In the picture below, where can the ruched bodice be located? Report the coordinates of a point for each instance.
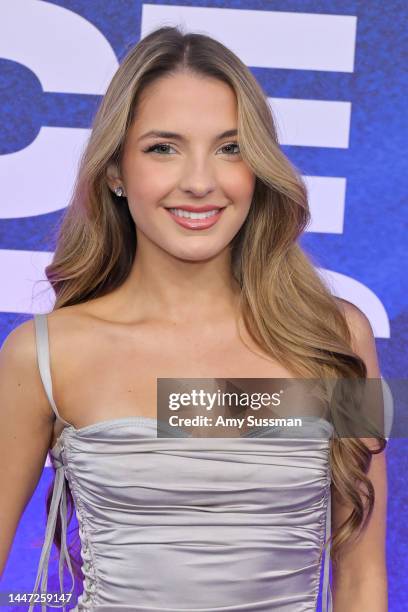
(197, 524)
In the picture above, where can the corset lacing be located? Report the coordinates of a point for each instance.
(89, 582)
(327, 601)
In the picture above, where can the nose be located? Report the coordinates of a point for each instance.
(198, 177)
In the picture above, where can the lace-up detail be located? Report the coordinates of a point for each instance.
(86, 599)
(327, 601)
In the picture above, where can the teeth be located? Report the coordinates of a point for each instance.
(193, 215)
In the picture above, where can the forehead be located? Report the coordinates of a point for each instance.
(185, 102)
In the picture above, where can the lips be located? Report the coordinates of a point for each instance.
(197, 224)
(205, 208)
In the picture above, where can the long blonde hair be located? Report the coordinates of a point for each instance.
(96, 242)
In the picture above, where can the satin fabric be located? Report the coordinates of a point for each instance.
(197, 524)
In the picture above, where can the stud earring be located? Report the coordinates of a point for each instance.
(118, 191)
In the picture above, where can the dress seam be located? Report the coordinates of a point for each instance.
(92, 596)
(322, 522)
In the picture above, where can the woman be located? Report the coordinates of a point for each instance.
(147, 290)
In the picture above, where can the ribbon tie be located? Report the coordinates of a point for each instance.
(59, 500)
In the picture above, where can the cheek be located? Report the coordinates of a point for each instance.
(241, 187)
(146, 183)
(141, 189)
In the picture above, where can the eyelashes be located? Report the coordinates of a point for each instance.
(153, 148)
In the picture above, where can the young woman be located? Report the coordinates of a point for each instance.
(146, 290)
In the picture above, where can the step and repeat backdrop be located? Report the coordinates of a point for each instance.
(334, 75)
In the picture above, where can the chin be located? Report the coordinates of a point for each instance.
(195, 254)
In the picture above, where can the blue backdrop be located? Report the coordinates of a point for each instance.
(334, 75)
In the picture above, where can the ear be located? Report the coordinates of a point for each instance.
(113, 177)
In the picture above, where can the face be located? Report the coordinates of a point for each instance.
(198, 166)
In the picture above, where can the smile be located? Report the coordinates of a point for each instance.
(195, 220)
(180, 212)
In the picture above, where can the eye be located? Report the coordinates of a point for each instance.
(153, 148)
(232, 144)
(160, 148)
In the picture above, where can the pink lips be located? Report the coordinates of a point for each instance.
(196, 223)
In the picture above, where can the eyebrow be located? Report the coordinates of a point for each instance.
(175, 136)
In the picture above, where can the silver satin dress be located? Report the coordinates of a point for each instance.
(193, 524)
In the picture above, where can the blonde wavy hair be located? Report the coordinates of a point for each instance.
(287, 308)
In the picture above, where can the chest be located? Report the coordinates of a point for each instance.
(110, 377)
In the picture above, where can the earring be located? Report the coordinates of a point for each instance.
(118, 191)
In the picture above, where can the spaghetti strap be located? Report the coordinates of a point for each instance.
(59, 500)
(43, 358)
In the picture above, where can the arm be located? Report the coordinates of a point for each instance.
(360, 577)
(26, 424)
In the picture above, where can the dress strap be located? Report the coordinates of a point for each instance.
(43, 358)
(327, 604)
(59, 498)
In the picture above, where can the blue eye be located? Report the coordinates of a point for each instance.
(155, 148)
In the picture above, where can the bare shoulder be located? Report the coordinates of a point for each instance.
(362, 335)
(74, 322)
(358, 322)
(346, 306)
(19, 345)
(19, 371)
(69, 314)
(75, 314)
(18, 349)
(19, 375)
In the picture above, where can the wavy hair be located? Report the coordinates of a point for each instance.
(287, 309)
